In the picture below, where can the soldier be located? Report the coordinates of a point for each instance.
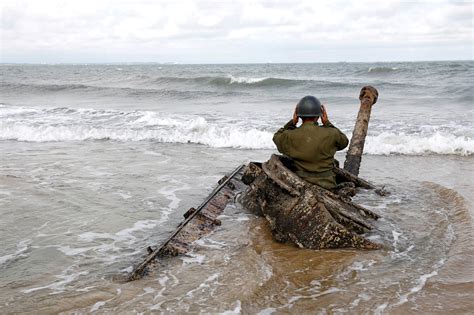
(312, 147)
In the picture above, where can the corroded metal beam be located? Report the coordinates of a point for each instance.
(197, 223)
(368, 97)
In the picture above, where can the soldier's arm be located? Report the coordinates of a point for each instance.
(341, 139)
(327, 123)
(281, 137)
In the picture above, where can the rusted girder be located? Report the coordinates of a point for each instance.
(197, 222)
(368, 97)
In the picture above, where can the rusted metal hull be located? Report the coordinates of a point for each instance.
(302, 213)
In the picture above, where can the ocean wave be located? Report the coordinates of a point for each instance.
(123, 91)
(388, 143)
(214, 80)
(263, 82)
(249, 82)
(376, 70)
(65, 124)
(238, 81)
(197, 131)
(143, 85)
(49, 87)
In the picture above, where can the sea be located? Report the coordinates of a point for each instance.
(100, 161)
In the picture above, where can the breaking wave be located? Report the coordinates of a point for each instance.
(66, 124)
(145, 85)
(249, 81)
(219, 80)
(382, 69)
(388, 143)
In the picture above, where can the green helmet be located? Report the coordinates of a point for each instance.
(308, 106)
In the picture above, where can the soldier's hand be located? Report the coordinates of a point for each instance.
(295, 116)
(324, 116)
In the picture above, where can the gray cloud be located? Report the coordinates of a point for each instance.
(235, 31)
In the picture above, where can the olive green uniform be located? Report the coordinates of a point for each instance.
(312, 147)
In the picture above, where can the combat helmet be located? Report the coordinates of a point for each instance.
(308, 106)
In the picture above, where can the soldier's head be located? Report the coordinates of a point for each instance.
(309, 108)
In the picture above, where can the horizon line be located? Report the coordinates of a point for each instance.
(221, 63)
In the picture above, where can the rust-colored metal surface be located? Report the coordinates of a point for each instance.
(368, 97)
(302, 213)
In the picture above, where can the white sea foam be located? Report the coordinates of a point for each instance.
(361, 266)
(108, 243)
(267, 311)
(86, 289)
(129, 269)
(293, 299)
(22, 247)
(204, 285)
(193, 259)
(11, 111)
(5, 193)
(209, 243)
(420, 283)
(97, 305)
(163, 280)
(91, 236)
(68, 251)
(382, 69)
(169, 192)
(147, 290)
(356, 266)
(127, 234)
(417, 144)
(59, 286)
(246, 80)
(122, 195)
(197, 131)
(380, 309)
(63, 124)
(396, 235)
(236, 310)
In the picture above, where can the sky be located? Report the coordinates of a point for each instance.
(238, 31)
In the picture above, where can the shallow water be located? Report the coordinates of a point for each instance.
(68, 243)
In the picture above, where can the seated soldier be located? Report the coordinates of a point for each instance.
(311, 146)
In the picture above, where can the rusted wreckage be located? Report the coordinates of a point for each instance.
(297, 211)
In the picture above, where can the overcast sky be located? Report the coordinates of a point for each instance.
(204, 31)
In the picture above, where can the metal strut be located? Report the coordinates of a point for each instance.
(138, 272)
